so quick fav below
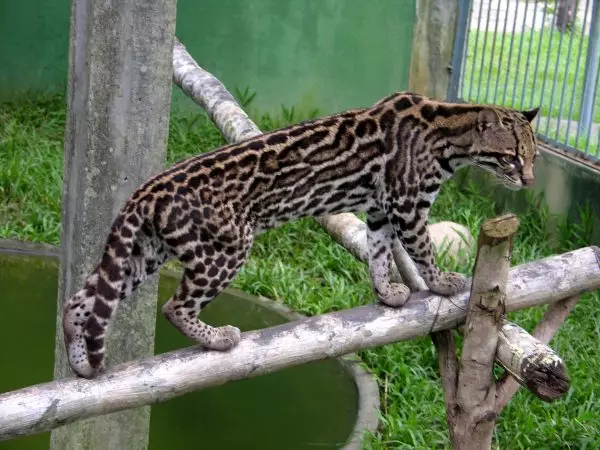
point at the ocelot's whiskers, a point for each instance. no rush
(388, 160)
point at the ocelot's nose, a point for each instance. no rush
(527, 180)
(527, 175)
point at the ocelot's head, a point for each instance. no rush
(504, 143)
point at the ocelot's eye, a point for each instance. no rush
(508, 161)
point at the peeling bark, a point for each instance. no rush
(532, 363)
(544, 331)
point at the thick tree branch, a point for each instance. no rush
(46, 406)
(473, 425)
(544, 331)
(209, 92)
(446, 349)
(535, 365)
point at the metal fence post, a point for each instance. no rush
(460, 48)
(591, 73)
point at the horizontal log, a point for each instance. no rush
(46, 406)
(532, 363)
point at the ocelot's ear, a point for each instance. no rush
(486, 118)
(531, 114)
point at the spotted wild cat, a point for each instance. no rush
(387, 160)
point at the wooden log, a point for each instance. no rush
(46, 406)
(553, 318)
(206, 90)
(474, 417)
(532, 363)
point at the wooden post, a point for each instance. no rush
(118, 114)
(472, 415)
(473, 398)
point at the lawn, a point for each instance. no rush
(299, 264)
(541, 69)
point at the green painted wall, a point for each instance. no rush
(326, 54)
(34, 46)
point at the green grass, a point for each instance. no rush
(300, 265)
(534, 84)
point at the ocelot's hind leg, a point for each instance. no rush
(209, 268)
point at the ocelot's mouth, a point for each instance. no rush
(513, 182)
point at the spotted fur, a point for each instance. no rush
(388, 160)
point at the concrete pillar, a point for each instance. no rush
(432, 46)
(120, 69)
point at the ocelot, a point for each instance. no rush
(387, 160)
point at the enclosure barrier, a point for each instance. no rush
(503, 48)
(46, 406)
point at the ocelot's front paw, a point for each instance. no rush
(448, 283)
(395, 296)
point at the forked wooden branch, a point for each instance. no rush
(46, 406)
(473, 399)
(473, 421)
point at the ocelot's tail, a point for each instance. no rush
(87, 314)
